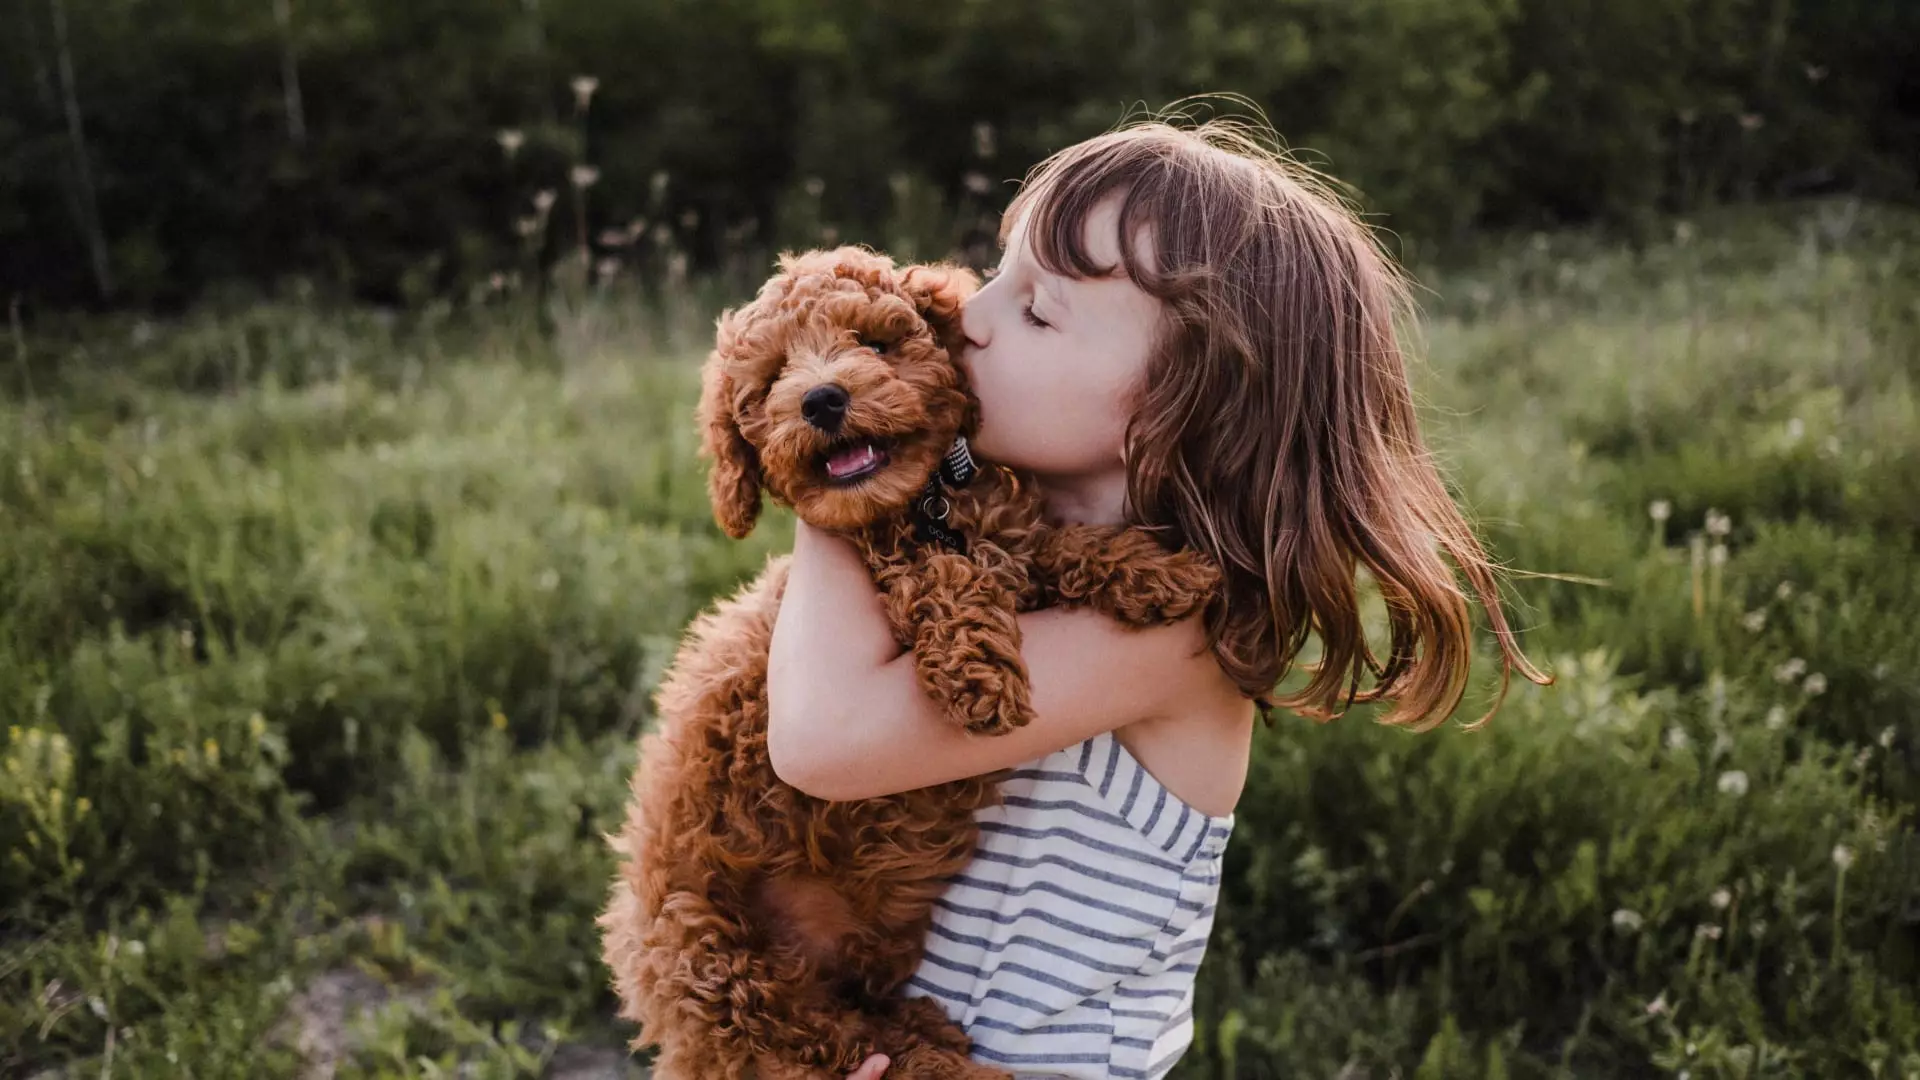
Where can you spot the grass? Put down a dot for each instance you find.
(329, 635)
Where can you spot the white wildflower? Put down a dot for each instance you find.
(1678, 739)
(983, 139)
(543, 199)
(1886, 738)
(1721, 898)
(1776, 718)
(1815, 685)
(584, 176)
(1790, 670)
(1755, 620)
(1710, 931)
(1842, 857)
(583, 88)
(1718, 524)
(1733, 782)
(1659, 509)
(510, 140)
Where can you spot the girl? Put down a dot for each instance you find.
(1191, 334)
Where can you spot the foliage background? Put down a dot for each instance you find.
(349, 509)
(352, 143)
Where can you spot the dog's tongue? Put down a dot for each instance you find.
(852, 461)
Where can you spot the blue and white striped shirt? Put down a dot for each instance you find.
(1069, 945)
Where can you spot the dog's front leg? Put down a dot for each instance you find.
(958, 613)
(1123, 572)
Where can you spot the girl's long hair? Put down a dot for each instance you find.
(1275, 428)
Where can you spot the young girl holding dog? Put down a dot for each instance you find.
(1191, 334)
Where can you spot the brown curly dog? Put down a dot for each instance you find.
(752, 929)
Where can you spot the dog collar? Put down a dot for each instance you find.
(930, 510)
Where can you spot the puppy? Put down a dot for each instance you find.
(753, 929)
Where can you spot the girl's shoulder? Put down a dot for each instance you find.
(1200, 754)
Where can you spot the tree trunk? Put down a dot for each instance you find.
(82, 167)
(290, 72)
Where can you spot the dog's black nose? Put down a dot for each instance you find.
(824, 407)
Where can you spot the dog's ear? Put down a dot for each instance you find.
(939, 290)
(733, 483)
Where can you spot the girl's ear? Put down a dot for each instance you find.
(939, 291)
(733, 483)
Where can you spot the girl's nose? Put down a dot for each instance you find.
(970, 326)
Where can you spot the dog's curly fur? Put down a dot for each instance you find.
(756, 930)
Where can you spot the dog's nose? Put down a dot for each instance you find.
(824, 407)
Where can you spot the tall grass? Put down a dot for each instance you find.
(329, 634)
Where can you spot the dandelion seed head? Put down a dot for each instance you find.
(1721, 898)
(1659, 509)
(1733, 782)
(1842, 857)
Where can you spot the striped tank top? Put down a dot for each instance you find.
(1069, 945)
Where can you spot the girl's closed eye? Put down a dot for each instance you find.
(1026, 310)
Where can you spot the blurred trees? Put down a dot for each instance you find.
(151, 150)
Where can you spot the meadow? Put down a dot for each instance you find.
(328, 633)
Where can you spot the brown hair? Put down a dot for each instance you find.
(1274, 428)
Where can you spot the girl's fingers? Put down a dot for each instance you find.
(870, 1069)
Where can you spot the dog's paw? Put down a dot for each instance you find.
(984, 690)
(1125, 573)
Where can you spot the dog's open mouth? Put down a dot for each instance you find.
(846, 462)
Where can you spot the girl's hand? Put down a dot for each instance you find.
(870, 1069)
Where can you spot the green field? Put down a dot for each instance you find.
(327, 636)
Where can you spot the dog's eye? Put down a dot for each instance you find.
(877, 345)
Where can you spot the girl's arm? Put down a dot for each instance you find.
(849, 720)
